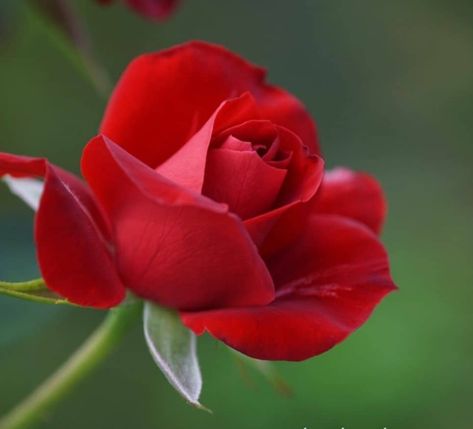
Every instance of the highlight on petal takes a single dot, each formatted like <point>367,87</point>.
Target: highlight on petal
<point>73,254</point>
<point>352,194</point>
<point>174,247</point>
<point>328,283</point>
<point>164,98</point>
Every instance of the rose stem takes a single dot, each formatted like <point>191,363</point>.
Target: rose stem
<point>77,37</point>
<point>82,41</point>
<point>95,349</point>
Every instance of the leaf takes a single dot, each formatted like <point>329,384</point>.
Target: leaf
<point>29,190</point>
<point>267,370</point>
<point>173,348</point>
<point>34,290</point>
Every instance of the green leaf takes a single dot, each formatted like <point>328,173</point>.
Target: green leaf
<point>173,348</point>
<point>266,369</point>
<point>34,290</point>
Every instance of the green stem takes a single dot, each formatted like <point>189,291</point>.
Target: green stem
<point>65,27</point>
<point>95,349</point>
<point>81,40</point>
<point>27,286</point>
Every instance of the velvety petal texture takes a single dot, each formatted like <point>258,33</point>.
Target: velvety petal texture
<point>163,99</point>
<point>74,255</point>
<point>208,195</point>
<point>174,247</point>
<point>222,161</point>
<point>328,283</point>
<point>230,174</point>
<point>187,166</point>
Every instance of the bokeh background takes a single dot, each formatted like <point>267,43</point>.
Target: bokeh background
<point>391,87</point>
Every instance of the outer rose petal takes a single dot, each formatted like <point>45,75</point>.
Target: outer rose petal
<point>174,247</point>
<point>163,99</point>
<point>329,282</point>
<point>343,192</point>
<point>25,166</point>
<point>73,254</point>
<point>354,195</point>
<point>284,230</point>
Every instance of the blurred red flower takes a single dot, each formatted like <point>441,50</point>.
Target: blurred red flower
<point>154,9</point>
<point>206,193</point>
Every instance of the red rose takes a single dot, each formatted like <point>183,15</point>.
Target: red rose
<point>206,194</point>
<point>154,9</point>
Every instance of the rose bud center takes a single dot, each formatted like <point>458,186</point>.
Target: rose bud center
<point>246,168</point>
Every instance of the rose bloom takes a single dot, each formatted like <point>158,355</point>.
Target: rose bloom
<point>154,9</point>
<point>205,192</point>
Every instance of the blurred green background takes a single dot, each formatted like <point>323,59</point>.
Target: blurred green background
<point>391,87</point>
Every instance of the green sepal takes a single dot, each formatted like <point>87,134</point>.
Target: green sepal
<point>33,290</point>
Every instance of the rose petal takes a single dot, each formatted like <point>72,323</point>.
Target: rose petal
<point>73,254</point>
<point>305,170</point>
<point>304,175</point>
<point>354,195</point>
<point>329,283</point>
<point>186,167</point>
<point>243,181</point>
<point>282,227</point>
<point>25,166</point>
<point>163,99</point>
<point>331,250</point>
<point>173,246</point>
<point>231,143</point>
